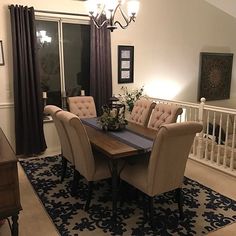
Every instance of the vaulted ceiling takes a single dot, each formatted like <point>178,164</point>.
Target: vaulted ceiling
<point>228,6</point>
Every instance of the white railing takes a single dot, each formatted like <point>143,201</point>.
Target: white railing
<point>215,146</point>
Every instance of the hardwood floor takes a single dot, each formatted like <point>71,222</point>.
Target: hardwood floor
<point>35,221</point>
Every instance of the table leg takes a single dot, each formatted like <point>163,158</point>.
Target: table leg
<point>14,227</point>
<point>114,188</point>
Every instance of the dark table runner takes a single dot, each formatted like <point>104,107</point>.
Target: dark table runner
<point>126,136</point>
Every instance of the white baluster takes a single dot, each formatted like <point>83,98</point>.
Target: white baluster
<point>213,140</point>
<point>200,137</point>
<point>207,137</point>
<point>233,146</point>
<point>226,142</point>
<point>219,142</point>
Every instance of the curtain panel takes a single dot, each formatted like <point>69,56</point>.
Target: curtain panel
<point>29,135</point>
<point>100,66</point>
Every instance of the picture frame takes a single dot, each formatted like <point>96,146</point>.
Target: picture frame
<point>1,54</point>
<point>215,76</point>
<point>125,64</point>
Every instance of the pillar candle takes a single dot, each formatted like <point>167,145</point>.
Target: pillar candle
<point>82,93</point>
<point>44,94</point>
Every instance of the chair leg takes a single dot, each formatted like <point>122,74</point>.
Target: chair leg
<point>90,189</point>
<point>145,205</point>
<point>179,196</point>
<point>75,183</point>
<point>151,211</point>
<point>63,168</point>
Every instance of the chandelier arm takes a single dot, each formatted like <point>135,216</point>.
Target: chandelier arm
<point>123,26</point>
<point>111,20</point>
<point>96,23</point>
<point>127,20</point>
<point>98,16</point>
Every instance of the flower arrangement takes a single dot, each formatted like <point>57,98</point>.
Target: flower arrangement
<point>130,97</point>
<point>112,119</point>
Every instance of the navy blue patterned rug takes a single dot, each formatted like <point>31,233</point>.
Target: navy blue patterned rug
<point>205,210</point>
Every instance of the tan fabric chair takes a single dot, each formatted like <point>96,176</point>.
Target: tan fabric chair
<point>164,170</point>
<point>92,166</point>
<point>163,114</point>
<point>141,112</point>
<point>66,149</point>
<point>82,106</point>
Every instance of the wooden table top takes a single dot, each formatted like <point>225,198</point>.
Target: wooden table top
<point>111,146</point>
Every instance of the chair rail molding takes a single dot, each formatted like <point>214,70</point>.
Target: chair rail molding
<point>6,105</point>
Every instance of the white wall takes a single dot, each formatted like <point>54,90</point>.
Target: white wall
<point>229,6</point>
<point>168,37</point>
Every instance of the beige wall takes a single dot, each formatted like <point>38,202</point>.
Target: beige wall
<point>168,37</point>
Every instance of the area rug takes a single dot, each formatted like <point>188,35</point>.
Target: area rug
<point>205,210</point>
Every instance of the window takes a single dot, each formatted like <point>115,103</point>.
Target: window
<point>64,57</point>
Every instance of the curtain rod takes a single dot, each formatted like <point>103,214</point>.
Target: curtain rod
<point>63,13</point>
<point>58,12</point>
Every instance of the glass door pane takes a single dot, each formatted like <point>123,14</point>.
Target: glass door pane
<point>76,49</point>
<point>49,61</point>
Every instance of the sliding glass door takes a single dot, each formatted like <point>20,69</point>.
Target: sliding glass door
<point>76,46</point>
<point>64,57</point>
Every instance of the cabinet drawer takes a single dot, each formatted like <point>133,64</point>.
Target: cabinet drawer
<point>8,198</point>
<point>8,174</point>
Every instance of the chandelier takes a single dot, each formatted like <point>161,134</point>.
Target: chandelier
<point>110,8</point>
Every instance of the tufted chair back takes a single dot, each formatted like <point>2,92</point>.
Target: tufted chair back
<point>163,114</point>
<point>141,112</point>
<point>84,160</point>
<point>82,106</point>
<point>164,169</point>
<point>53,111</point>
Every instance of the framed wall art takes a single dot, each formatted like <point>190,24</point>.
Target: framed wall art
<point>215,75</point>
<point>125,64</point>
<point>1,54</point>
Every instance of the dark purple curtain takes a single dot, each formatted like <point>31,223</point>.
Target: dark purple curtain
<point>100,66</point>
<point>27,92</point>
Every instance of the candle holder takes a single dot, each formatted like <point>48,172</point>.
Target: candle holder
<point>44,102</point>
<point>64,100</point>
<point>45,99</point>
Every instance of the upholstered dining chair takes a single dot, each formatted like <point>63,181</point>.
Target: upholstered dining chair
<point>163,114</point>
<point>82,106</point>
<point>66,149</point>
<point>141,111</point>
<point>93,166</point>
<point>163,170</point>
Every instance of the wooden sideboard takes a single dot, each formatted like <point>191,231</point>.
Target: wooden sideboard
<point>9,184</point>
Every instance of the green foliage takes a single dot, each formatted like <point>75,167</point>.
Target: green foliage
<point>130,97</point>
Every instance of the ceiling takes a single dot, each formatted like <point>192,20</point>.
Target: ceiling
<point>228,6</point>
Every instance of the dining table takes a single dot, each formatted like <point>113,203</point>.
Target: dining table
<point>133,140</point>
